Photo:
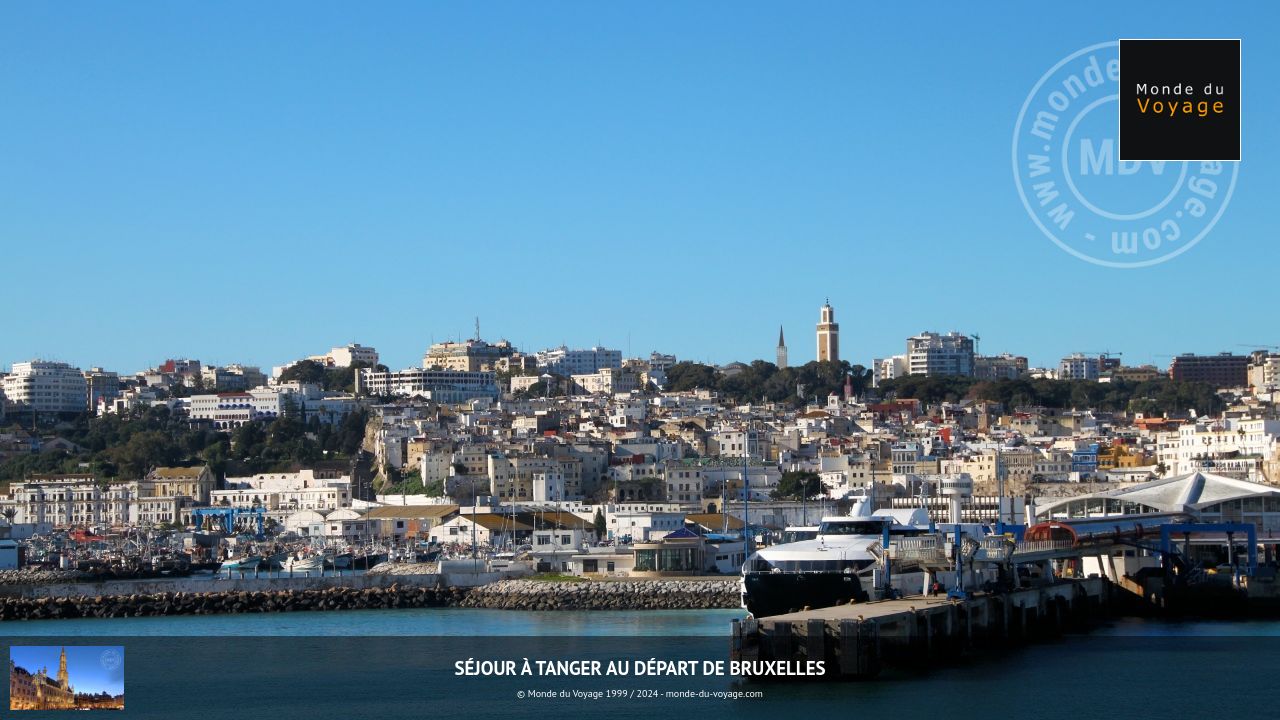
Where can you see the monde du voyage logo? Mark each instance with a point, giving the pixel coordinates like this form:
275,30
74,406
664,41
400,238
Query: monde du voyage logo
1122,184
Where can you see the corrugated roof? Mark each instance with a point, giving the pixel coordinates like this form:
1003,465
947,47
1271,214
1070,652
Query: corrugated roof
170,473
494,521
561,520
713,521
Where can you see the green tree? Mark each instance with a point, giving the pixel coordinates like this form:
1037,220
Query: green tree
799,485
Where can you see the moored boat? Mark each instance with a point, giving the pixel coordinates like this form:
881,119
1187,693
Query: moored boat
302,563
246,564
828,569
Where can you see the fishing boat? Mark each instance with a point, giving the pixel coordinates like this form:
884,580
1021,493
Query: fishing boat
340,561
302,563
246,564
366,560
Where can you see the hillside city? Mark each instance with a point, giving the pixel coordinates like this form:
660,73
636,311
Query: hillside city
571,449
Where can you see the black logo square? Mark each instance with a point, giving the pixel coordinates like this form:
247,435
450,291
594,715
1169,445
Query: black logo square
1179,100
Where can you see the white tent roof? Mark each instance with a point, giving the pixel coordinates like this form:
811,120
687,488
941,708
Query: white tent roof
1177,494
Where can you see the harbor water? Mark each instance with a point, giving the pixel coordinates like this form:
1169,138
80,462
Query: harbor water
402,663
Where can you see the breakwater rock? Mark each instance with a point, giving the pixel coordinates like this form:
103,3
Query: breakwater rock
390,568
36,576
691,594
210,603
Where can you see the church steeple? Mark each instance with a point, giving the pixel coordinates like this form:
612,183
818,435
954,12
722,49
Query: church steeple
782,350
63,681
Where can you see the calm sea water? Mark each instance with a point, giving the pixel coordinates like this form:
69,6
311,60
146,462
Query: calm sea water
421,622
429,622
401,663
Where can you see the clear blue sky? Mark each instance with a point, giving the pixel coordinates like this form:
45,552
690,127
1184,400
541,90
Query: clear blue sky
250,182
85,667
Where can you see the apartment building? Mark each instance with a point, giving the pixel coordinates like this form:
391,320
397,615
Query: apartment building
564,361
930,353
444,386
46,386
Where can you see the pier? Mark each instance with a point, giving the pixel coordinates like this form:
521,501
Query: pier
859,640
1016,587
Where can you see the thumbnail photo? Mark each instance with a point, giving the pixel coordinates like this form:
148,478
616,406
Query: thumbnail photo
89,677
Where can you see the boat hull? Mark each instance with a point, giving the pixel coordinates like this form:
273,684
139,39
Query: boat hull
775,593
247,565
296,565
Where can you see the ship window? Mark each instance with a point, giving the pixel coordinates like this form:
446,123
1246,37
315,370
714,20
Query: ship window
851,527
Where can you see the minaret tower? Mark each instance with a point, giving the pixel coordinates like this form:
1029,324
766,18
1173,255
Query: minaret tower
782,350
828,335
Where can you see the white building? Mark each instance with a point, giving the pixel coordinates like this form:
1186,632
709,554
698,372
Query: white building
302,490
548,486
661,363
45,386
348,355
999,367
101,386
638,524
1077,366
1264,372
71,500
889,368
468,356
230,410
232,377
684,483
346,525
564,361
605,381
1227,446
932,354
444,386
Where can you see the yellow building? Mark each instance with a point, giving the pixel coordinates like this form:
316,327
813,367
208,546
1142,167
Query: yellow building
1119,456
194,482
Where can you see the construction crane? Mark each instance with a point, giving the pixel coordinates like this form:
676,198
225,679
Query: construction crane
1259,346
1100,353
977,340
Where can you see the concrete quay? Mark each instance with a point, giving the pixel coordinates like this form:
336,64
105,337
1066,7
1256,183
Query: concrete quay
861,640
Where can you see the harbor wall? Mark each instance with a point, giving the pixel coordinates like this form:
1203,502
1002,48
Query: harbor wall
239,601
262,583
659,594
187,596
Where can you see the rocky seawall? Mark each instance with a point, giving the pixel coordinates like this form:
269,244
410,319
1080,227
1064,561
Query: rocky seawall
32,576
691,594
506,595
212,603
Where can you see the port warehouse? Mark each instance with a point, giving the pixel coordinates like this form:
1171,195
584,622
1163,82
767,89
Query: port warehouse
1200,544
